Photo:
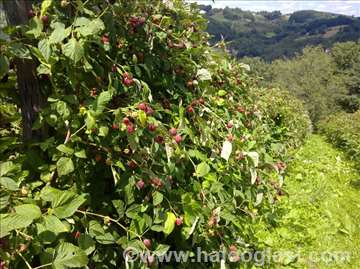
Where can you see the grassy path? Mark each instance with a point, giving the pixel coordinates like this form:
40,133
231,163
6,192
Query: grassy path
322,213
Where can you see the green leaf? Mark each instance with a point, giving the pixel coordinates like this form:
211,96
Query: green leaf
64,166
54,224
99,233
59,33
102,100
67,255
81,21
29,210
202,169
45,6
68,209
81,154
161,249
4,66
6,167
8,184
90,120
74,50
169,223
24,215
103,131
119,206
10,222
64,149
36,27
157,198
45,49
92,27
86,243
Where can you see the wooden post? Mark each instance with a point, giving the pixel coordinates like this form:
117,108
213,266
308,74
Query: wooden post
16,12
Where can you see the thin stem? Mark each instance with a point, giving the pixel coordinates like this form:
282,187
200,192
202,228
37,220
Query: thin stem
111,219
42,266
82,127
23,258
24,234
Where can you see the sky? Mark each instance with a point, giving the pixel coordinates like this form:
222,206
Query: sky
340,6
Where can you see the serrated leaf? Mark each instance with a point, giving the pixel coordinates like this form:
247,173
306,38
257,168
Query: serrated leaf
74,50
92,27
64,166
99,233
67,255
36,27
202,169
29,210
45,49
81,21
226,150
59,33
68,209
119,207
65,149
8,184
169,223
54,224
86,243
157,198
10,222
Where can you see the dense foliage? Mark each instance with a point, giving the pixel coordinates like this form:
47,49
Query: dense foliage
289,123
272,35
150,139
326,81
343,130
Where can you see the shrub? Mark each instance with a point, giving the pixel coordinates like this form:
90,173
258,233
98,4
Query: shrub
150,140
343,130
285,116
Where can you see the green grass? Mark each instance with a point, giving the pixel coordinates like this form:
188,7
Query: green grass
322,211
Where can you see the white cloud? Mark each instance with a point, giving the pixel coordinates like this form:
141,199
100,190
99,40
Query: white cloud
340,6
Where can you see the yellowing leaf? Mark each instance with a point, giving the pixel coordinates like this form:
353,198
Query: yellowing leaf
45,6
169,223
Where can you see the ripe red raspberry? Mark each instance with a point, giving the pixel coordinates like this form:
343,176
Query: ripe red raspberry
179,221
173,131
178,139
142,106
126,121
152,127
159,139
229,125
77,234
140,184
130,129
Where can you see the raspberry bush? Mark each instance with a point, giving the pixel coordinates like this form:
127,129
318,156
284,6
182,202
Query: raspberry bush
150,139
